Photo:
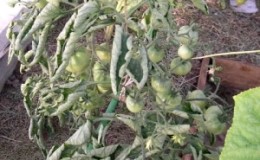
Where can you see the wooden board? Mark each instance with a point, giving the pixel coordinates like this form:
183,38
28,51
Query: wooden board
234,74
238,75
202,81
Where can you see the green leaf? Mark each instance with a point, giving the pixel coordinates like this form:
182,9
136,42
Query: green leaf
84,13
194,153
67,53
129,121
24,30
137,69
201,5
148,154
243,138
56,154
172,129
104,151
180,114
71,84
137,142
48,13
81,136
72,98
119,51
128,6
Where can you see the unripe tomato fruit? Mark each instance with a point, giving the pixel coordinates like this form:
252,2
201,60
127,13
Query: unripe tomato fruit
167,101
79,61
212,113
155,54
180,68
134,105
197,94
101,75
214,126
103,53
185,52
161,85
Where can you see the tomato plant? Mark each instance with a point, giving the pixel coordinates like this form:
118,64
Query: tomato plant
80,77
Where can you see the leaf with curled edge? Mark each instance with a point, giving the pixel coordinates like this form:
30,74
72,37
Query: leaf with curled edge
119,51
48,13
81,136
137,69
201,5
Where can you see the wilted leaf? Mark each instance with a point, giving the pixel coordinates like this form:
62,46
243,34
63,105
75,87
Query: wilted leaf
56,154
85,12
172,129
129,121
137,69
180,114
81,136
148,154
119,51
202,5
103,152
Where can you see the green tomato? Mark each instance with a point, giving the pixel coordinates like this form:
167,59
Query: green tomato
184,39
212,113
180,68
41,4
101,75
155,54
89,105
79,61
215,127
197,94
167,101
161,85
103,53
185,52
134,105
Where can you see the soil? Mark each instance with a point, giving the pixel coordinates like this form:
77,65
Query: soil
221,31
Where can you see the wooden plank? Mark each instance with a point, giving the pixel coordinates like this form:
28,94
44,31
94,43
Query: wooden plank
202,81
238,75
6,69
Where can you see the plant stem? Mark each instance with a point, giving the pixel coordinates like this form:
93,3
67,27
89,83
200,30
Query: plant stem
227,54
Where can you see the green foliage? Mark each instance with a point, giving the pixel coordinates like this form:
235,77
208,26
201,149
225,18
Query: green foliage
73,87
243,139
